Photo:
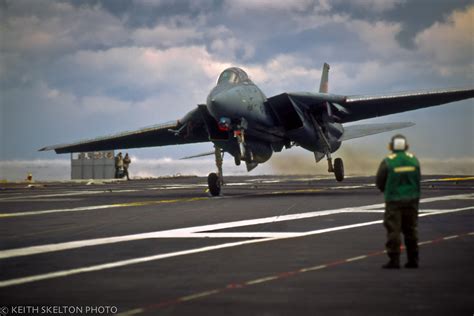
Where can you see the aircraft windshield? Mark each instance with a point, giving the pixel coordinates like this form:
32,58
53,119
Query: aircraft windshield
228,76
232,75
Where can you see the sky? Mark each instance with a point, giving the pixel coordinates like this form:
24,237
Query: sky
72,70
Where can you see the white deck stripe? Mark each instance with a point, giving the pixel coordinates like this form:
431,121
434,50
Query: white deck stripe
104,191
101,207
76,209
173,233
185,232
190,232
122,263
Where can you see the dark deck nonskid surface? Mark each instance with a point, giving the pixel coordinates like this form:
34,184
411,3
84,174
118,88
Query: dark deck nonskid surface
268,246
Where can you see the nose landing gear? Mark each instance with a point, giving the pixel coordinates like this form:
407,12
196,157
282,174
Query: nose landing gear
216,180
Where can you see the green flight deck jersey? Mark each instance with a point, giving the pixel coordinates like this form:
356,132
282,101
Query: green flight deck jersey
399,177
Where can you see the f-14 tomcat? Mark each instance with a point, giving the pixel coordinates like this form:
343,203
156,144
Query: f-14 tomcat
240,120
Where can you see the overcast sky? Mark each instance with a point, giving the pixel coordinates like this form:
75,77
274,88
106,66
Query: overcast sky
71,70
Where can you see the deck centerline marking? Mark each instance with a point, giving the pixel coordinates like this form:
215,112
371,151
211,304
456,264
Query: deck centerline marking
121,263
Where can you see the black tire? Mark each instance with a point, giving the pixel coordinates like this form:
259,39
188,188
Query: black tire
214,184
339,169
237,160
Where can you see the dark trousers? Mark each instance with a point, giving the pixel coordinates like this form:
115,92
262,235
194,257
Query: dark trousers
119,173
402,217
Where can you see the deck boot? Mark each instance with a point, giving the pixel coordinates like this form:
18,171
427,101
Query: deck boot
393,263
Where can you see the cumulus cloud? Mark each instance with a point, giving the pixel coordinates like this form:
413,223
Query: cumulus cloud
162,35
176,31
224,44
449,44
376,5
379,36
136,71
90,69
297,5
49,27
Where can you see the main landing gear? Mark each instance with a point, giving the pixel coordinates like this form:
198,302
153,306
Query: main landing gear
216,180
337,168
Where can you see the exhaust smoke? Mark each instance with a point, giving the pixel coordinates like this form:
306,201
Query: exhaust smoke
362,162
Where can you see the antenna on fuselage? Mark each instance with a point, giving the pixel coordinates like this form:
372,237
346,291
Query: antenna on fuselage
324,85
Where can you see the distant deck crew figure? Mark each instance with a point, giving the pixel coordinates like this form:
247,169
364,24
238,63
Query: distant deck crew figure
126,163
398,177
118,166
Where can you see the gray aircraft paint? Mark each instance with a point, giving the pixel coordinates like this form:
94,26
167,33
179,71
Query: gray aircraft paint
311,120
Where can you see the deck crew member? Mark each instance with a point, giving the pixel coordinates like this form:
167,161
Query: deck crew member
126,163
398,177
118,166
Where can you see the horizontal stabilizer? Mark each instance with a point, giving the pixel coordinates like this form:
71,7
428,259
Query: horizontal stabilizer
356,131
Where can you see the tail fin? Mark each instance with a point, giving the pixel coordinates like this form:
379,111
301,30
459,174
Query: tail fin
323,87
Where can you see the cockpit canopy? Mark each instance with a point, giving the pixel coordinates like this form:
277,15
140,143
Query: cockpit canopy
233,75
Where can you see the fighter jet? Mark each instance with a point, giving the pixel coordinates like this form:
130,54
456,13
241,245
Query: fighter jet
239,119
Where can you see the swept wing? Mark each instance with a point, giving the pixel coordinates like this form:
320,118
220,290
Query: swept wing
189,130
364,107
290,109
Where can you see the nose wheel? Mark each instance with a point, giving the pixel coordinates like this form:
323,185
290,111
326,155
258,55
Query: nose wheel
214,184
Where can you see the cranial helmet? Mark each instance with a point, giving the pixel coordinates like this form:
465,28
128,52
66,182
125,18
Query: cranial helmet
398,142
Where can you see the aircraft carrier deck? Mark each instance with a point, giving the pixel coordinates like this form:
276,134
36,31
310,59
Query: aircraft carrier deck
267,246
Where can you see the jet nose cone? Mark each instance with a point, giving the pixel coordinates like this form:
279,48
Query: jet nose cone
218,104
220,98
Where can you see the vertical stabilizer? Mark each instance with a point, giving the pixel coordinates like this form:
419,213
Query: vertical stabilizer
324,87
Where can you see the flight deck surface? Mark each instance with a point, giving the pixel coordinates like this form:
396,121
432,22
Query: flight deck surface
269,245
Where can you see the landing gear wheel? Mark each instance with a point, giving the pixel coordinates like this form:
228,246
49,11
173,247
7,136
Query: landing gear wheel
214,184
339,169
237,160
